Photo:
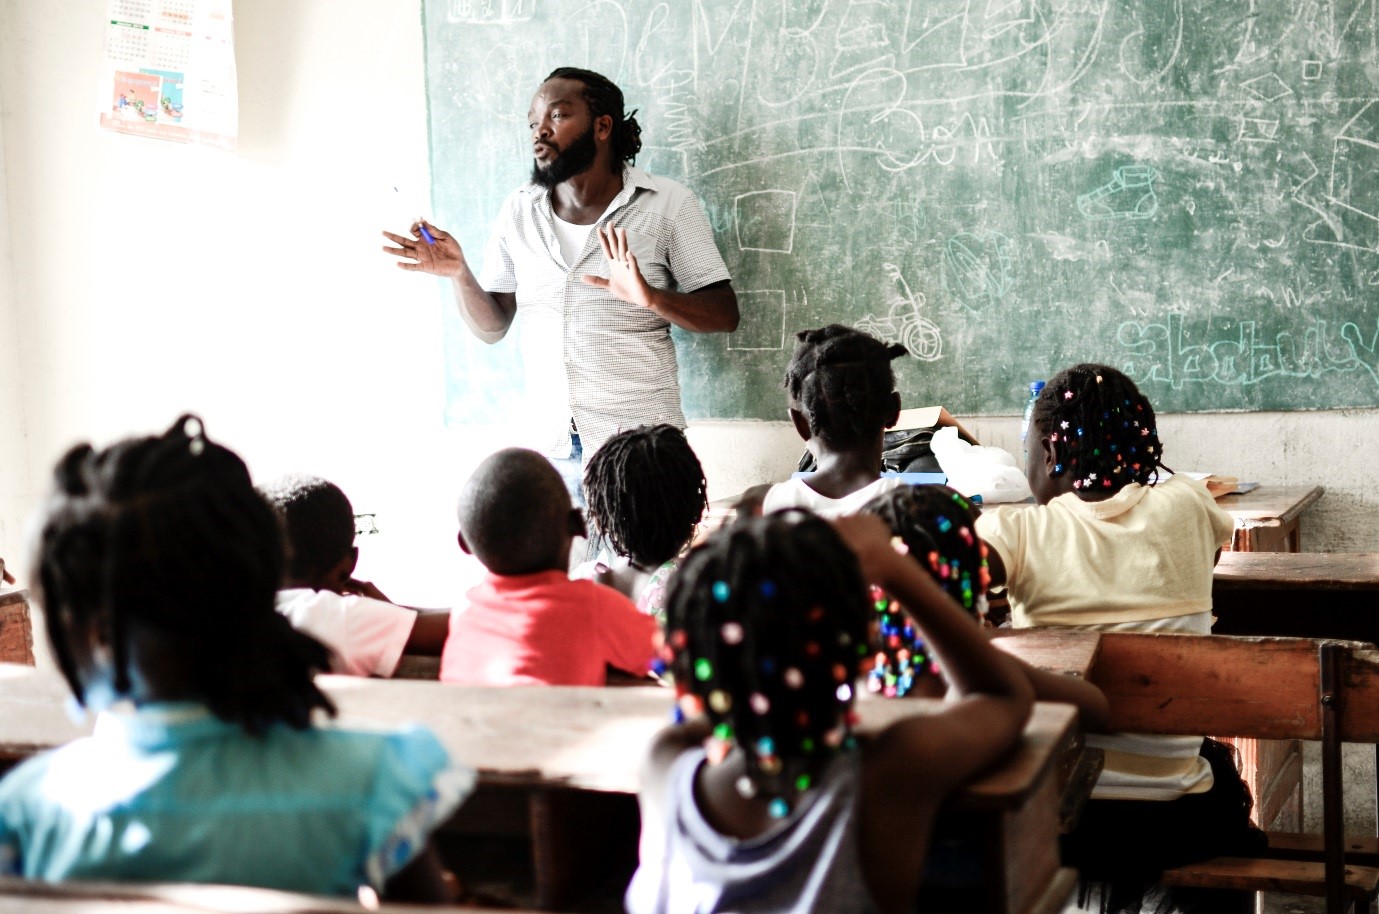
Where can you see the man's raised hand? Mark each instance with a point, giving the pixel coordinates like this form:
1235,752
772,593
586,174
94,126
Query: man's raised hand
443,258
625,281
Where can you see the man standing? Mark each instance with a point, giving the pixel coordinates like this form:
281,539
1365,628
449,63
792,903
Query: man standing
599,258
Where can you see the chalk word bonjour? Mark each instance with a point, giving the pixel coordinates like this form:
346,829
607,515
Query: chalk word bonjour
1243,355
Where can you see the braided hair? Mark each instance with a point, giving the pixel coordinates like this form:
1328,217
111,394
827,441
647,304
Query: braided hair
1101,427
319,521
646,492
938,528
767,624
603,96
166,535
841,380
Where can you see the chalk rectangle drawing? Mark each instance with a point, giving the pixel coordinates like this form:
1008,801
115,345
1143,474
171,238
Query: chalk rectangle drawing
762,327
491,12
765,220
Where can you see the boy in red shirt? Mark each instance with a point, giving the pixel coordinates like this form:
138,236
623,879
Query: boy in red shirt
528,623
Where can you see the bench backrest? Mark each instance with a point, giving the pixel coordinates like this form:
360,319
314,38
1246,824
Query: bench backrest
1266,688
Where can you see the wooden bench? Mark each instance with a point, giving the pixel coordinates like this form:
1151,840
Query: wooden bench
1265,688
550,741
16,627
22,896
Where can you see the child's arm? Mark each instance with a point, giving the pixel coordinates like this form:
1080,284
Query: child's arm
913,764
1092,706
428,632
665,749
995,567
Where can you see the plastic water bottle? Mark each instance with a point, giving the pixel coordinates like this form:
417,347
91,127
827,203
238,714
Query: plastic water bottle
1034,388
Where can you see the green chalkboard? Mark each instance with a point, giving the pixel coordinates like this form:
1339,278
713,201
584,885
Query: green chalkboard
1189,190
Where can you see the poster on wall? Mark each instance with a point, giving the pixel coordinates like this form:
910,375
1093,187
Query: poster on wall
169,71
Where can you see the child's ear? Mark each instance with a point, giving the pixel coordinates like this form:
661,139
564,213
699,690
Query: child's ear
893,414
577,526
801,424
1050,455
464,547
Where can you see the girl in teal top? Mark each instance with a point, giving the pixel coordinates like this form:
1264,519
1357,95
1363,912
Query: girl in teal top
157,565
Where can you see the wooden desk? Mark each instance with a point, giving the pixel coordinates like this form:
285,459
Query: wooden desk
22,896
1307,595
16,626
592,739
1065,651
1266,520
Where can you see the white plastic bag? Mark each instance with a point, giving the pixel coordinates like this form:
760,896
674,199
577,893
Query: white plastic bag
975,470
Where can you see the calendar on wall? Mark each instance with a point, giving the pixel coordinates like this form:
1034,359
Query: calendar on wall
170,71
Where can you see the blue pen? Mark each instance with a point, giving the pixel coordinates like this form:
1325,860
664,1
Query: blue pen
421,225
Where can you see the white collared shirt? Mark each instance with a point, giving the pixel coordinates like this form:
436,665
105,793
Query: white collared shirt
608,364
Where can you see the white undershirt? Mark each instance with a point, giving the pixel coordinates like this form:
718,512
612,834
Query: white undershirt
572,239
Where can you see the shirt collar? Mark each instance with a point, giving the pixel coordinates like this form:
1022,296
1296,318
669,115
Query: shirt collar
520,581
1114,506
632,179
157,725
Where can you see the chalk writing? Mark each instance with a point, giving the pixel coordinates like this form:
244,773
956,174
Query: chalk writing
905,324
1128,195
1164,352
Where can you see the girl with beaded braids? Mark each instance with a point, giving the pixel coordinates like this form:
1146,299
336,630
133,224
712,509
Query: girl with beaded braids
156,563
762,799
646,493
937,527
842,399
1113,547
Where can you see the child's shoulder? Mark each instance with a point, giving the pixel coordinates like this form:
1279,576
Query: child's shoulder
598,595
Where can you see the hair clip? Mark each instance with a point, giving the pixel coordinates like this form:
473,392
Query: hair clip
745,788
1053,437
1067,395
944,524
1098,379
844,692
1077,484
1091,476
720,701
1063,424
703,669
802,720
768,590
778,808
768,665
898,544
717,751
1144,433
966,534
678,639
721,591
766,746
761,705
1058,467
770,765
793,678
731,633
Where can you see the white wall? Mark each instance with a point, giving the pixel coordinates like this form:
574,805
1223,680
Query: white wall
15,478
150,278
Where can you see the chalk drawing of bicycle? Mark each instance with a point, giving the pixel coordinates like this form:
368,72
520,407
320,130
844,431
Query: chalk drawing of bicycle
905,324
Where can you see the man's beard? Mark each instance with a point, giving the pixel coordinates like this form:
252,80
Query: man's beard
574,159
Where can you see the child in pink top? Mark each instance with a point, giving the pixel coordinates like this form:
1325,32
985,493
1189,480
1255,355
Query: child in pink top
527,623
